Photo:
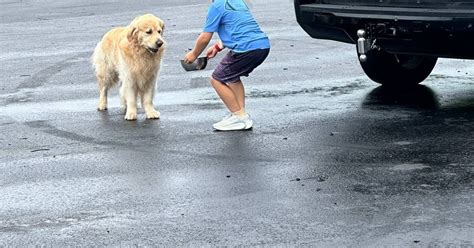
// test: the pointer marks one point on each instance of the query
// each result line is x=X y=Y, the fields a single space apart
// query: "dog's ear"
x=162 y=27
x=132 y=31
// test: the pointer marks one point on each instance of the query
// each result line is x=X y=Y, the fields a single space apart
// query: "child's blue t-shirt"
x=236 y=26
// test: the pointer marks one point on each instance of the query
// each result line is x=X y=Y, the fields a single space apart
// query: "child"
x=249 y=47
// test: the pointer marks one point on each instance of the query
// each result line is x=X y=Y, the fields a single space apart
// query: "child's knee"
x=215 y=82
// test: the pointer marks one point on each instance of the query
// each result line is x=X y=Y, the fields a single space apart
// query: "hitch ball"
x=361 y=33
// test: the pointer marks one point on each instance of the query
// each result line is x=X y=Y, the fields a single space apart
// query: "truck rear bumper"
x=435 y=32
x=390 y=13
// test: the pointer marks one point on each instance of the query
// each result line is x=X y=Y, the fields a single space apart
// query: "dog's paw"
x=102 y=107
x=130 y=116
x=153 y=114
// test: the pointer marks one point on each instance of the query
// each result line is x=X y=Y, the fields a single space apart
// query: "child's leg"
x=227 y=95
x=239 y=92
x=229 y=71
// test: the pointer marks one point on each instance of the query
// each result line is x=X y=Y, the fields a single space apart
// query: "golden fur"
x=133 y=56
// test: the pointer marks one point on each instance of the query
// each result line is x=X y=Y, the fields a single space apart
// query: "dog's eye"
x=149 y=31
x=159 y=31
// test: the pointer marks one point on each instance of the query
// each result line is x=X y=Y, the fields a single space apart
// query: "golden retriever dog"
x=131 y=55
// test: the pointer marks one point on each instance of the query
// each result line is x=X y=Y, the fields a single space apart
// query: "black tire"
x=397 y=70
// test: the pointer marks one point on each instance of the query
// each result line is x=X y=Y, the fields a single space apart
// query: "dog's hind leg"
x=103 y=89
x=106 y=77
x=105 y=81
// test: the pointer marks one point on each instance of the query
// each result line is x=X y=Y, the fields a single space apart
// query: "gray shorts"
x=235 y=65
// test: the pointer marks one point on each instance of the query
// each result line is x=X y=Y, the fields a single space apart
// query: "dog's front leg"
x=147 y=102
x=129 y=93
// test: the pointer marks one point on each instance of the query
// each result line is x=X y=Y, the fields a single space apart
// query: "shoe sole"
x=247 y=125
x=235 y=127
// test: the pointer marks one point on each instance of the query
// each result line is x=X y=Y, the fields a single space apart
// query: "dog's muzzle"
x=158 y=44
x=153 y=50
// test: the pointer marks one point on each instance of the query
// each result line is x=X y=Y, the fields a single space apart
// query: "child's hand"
x=211 y=52
x=190 y=57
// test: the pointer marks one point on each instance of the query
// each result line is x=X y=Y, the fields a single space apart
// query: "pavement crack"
x=40 y=150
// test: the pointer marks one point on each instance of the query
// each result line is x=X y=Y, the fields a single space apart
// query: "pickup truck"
x=398 y=41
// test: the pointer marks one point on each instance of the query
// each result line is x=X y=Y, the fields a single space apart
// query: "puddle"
x=26 y=111
x=325 y=91
x=17 y=226
x=408 y=167
x=42 y=77
x=403 y=143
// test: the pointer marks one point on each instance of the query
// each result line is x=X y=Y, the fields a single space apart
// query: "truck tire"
x=397 y=70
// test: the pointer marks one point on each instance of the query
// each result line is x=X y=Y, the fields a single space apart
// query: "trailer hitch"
x=363 y=45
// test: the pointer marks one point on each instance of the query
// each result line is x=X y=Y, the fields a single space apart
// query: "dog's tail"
x=98 y=56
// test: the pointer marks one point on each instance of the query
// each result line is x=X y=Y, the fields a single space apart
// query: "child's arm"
x=201 y=44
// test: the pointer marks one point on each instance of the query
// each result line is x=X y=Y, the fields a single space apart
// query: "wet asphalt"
x=333 y=159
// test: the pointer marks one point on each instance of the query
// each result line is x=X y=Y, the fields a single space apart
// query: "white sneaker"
x=234 y=123
x=223 y=121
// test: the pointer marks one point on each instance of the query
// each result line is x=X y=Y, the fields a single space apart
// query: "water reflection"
x=114 y=119
x=416 y=97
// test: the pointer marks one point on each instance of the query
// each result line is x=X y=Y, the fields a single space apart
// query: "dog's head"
x=146 y=31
